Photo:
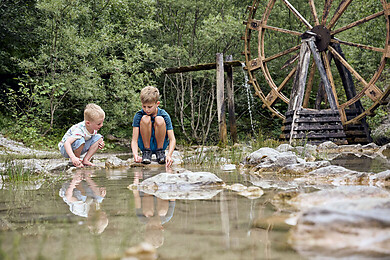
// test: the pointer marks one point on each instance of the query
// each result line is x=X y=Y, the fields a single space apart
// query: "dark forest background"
x=58 y=55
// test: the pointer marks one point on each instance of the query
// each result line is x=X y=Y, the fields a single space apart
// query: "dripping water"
x=249 y=97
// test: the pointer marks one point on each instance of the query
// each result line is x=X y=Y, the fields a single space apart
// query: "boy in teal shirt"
x=152 y=130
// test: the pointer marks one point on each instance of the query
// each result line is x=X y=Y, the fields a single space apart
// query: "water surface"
x=93 y=215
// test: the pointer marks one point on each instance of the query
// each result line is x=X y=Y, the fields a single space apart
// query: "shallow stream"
x=93 y=215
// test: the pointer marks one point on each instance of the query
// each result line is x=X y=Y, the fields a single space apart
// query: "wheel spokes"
x=358 y=22
x=325 y=13
x=375 y=91
x=339 y=11
x=273 y=95
x=280 y=54
x=297 y=14
x=314 y=12
x=358 y=45
x=295 y=33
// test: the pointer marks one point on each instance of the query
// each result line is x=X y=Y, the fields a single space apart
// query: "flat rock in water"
x=185 y=185
x=353 y=229
x=327 y=196
x=336 y=175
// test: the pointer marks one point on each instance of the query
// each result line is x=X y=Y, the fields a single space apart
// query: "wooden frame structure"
x=221 y=67
x=331 y=29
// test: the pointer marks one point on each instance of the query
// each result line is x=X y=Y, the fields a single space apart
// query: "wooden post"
x=221 y=100
x=298 y=89
x=324 y=78
x=230 y=96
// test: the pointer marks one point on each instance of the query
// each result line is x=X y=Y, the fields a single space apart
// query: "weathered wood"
x=372 y=91
x=230 y=97
x=297 y=14
x=313 y=120
x=323 y=136
x=314 y=127
x=358 y=22
x=272 y=95
x=350 y=90
x=198 y=67
x=324 y=78
x=339 y=11
x=314 y=12
x=280 y=54
x=358 y=45
x=221 y=99
x=308 y=112
x=309 y=86
x=298 y=87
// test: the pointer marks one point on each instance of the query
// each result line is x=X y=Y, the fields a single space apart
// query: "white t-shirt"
x=77 y=131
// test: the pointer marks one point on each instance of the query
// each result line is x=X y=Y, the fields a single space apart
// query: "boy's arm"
x=171 y=147
x=68 y=148
x=134 y=145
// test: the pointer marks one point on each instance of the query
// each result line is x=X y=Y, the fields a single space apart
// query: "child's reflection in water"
x=84 y=197
x=153 y=212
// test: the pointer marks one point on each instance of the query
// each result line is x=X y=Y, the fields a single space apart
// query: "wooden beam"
x=198 y=67
x=230 y=97
x=221 y=99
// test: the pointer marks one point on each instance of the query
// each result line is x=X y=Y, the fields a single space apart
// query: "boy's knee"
x=146 y=120
x=159 y=121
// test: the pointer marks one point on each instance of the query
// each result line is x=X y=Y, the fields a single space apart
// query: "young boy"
x=152 y=130
x=83 y=137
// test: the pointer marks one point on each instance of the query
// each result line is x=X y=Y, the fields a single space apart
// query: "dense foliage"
x=58 y=55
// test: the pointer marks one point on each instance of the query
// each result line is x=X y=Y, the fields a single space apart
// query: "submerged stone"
x=336 y=175
x=144 y=251
x=251 y=192
x=185 y=185
x=327 y=196
x=348 y=228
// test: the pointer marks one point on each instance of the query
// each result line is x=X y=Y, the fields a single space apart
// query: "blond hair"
x=93 y=112
x=149 y=94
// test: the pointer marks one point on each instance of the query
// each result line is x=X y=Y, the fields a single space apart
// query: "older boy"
x=152 y=130
x=83 y=137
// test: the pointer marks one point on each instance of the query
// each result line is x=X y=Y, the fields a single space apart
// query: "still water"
x=93 y=215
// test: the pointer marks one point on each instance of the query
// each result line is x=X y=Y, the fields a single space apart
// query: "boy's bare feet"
x=88 y=163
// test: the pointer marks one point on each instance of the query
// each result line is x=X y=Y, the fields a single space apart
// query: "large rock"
x=301 y=168
x=353 y=229
x=264 y=154
x=335 y=175
x=185 y=185
x=381 y=135
x=114 y=162
x=327 y=196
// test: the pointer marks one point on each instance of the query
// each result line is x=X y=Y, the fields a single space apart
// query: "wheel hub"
x=322 y=35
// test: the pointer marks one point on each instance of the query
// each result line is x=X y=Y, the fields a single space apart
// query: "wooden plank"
x=315 y=112
x=314 y=120
x=198 y=67
x=318 y=136
x=221 y=99
x=230 y=97
x=323 y=74
x=315 y=127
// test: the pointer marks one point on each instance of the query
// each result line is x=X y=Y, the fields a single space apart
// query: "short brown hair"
x=93 y=112
x=149 y=94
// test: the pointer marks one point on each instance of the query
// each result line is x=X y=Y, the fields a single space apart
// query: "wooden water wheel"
x=341 y=82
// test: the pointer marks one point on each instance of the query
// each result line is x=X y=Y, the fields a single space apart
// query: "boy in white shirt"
x=83 y=138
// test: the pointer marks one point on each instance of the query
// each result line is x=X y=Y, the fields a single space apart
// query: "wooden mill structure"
x=316 y=67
